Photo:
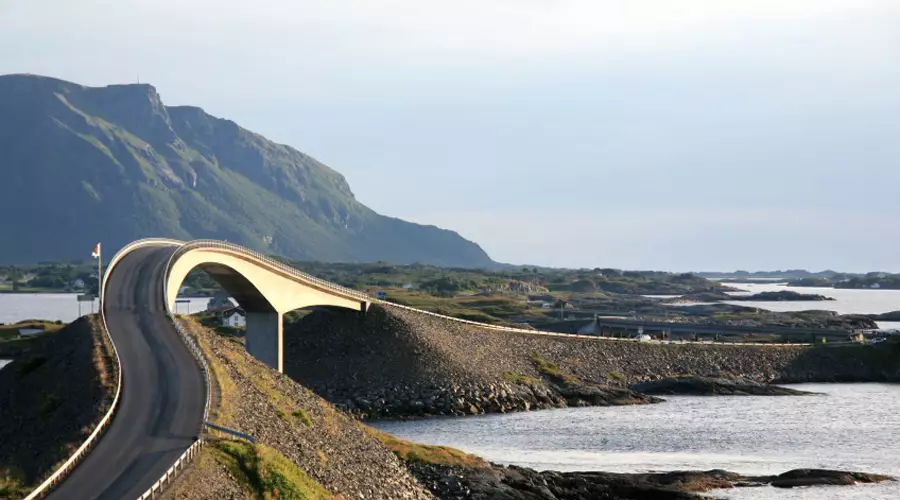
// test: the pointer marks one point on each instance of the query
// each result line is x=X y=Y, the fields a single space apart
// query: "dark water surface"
x=851 y=427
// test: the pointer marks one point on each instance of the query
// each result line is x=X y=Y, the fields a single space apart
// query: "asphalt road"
x=161 y=410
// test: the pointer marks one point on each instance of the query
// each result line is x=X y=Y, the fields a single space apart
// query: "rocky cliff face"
x=115 y=163
x=396 y=362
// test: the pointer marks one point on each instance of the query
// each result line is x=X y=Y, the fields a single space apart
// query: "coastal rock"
x=714 y=386
x=520 y=483
x=783 y=295
x=888 y=316
x=824 y=477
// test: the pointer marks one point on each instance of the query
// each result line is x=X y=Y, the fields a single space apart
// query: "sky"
x=648 y=134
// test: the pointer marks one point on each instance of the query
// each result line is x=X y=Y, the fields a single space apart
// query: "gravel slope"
x=326 y=444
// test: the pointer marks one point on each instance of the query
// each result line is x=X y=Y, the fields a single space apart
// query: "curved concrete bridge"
x=265 y=288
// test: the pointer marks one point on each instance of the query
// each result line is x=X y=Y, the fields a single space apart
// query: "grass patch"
x=12 y=482
x=266 y=473
x=552 y=370
x=518 y=378
x=616 y=376
x=228 y=391
x=423 y=453
x=11 y=331
x=264 y=381
x=303 y=417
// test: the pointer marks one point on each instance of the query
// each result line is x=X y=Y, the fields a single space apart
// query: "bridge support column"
x=265 y=338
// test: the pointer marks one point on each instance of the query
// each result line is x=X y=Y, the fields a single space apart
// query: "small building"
x=234 y=317
x=77 y=284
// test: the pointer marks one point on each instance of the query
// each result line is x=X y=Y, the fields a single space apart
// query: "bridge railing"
x=159 y=486
x=281 y=266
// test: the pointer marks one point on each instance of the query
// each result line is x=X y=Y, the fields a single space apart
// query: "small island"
x=783 y=295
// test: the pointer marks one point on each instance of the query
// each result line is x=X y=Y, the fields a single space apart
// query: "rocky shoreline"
x=475 y=399
x=714 y=386
x=430 y=366
x=520 y=483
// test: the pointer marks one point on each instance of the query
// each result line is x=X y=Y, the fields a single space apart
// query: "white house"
x=234 y=317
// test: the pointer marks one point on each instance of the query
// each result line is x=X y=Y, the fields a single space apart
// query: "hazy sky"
x=681 y=135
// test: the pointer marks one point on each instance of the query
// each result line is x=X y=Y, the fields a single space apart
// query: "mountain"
x=81 y=164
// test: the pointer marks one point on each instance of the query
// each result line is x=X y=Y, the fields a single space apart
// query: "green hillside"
x=82 y=164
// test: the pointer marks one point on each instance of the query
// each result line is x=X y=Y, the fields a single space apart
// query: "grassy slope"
x=304 y=444
x=265 y=472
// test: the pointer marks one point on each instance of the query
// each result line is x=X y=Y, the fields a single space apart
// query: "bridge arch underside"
x=264 y=294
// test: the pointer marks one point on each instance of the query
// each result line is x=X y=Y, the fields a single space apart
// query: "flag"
x=96 y=252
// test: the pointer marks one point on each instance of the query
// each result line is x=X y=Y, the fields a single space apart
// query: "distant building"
x=234 y=317
x=77 y=284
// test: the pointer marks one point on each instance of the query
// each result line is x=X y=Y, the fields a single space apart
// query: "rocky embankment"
x=304 y=447
x=396 y=362
x=518 y=483
x=52 y=395
x=390 y=365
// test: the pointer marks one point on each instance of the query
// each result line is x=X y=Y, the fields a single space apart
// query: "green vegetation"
x=518 y=378
x=826 y=279
x=266 y=473
x=303 y=417
x=73 y=276
x=552 y=370
x=13 y=483
x=422 y=453
x=11 y=332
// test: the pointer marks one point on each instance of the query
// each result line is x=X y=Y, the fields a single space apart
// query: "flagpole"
x=100 y=276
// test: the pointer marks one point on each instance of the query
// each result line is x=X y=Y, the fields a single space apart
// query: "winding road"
x=161 y=410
